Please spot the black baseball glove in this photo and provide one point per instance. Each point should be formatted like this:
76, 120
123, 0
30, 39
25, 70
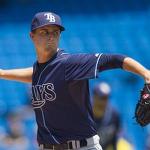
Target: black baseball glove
142, 111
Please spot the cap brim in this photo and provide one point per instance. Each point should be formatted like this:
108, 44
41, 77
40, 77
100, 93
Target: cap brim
61, 27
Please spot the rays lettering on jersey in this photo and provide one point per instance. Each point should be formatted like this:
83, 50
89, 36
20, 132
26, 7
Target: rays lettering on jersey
42, 93
50, 17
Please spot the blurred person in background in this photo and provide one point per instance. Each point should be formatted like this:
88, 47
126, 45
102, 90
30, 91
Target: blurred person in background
15, 138
106, 117
28, 120
108, 120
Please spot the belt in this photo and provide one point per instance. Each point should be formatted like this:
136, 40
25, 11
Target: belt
69, 145
73, 144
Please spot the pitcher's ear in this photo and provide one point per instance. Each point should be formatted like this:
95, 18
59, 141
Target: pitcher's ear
31, 35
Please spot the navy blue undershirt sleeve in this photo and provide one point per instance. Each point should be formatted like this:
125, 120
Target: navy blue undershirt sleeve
110, 61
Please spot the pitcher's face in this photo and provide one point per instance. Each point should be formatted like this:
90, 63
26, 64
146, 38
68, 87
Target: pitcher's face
46, 38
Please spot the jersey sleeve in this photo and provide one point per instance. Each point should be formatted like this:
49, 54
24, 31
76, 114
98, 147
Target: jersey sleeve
81, 66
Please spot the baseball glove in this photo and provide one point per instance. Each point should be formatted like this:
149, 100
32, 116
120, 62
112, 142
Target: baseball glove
142, 111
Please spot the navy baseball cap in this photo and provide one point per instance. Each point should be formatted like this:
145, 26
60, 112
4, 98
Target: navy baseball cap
46, 18
102, 89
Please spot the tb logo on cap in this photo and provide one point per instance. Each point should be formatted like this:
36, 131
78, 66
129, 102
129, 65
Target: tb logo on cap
50, 17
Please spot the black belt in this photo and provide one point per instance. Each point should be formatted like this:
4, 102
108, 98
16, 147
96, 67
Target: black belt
65, 146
